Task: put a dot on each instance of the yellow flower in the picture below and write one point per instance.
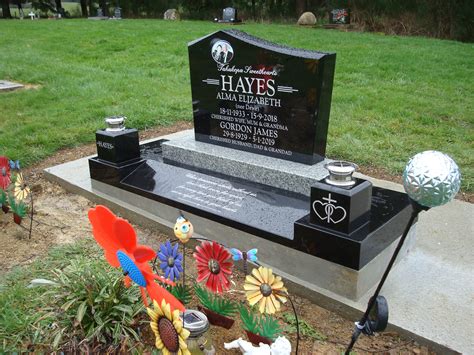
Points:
(168, 328)
(266, 289)
(21, 189)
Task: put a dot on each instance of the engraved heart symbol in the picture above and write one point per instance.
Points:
(329, 212)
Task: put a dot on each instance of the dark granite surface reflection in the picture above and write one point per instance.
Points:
(254, 208)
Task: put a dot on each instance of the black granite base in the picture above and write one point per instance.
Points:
(110, 173)
(390, 212)
(271, 213)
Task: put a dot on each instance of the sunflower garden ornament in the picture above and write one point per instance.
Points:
(265, 289)
(21, 190)
(168, 328)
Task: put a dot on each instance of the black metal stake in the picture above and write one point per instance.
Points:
(417, 208)
(297, 323)
(184, 265)
(31, 215)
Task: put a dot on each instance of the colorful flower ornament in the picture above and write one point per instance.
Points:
(214, 265)
(183, 229)
(21, 190)
(168, 328)
(4, 173)
(170, 260)
(119, 241)
(265, 289)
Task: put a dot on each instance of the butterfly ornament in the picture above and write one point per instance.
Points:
(245, 256)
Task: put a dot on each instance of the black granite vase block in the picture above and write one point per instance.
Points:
(341, 209)
(390, 211)
(117, 147)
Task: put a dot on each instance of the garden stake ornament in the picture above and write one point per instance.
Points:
(244, 256)
(170, 335)
(170, 260)
(214, 265)
(183, 230)
(430, 179)
(268, 290)
(19, 189)
(119, 241)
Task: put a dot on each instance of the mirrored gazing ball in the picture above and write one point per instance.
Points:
(431, 178)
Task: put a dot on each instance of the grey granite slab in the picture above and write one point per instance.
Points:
(183, 150)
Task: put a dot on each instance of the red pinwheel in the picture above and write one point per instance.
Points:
(119, 241)
(4, 173)
(214, 265)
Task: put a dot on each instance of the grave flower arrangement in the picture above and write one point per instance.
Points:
(214, 263)
(14, 192)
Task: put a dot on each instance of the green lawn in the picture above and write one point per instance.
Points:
(393, 96)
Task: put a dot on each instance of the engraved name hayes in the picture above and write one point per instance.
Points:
(240, 89)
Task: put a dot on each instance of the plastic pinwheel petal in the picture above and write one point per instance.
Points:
(125, 233)
(143, 253)
(118, 239)
(102, 220)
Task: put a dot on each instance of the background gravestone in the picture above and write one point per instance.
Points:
(257, 96)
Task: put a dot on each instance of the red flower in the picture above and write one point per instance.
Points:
(214, 264)
(4, 173)
(119, 241)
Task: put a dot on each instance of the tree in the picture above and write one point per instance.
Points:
(6, 9)
(104, 7)
(58, 6)
(84, 8)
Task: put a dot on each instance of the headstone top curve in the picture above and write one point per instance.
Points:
(263, 43)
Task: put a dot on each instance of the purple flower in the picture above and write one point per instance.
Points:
(170, 260)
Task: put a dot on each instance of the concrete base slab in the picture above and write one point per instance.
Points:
(429, 292)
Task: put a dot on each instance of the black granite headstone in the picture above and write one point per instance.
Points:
(261, 97)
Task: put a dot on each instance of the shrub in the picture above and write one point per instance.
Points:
(92, 304)
(89, 310)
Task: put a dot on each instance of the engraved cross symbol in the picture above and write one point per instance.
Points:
(328, 199)
(328, 210)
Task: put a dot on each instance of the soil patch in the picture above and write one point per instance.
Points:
(61, 217)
